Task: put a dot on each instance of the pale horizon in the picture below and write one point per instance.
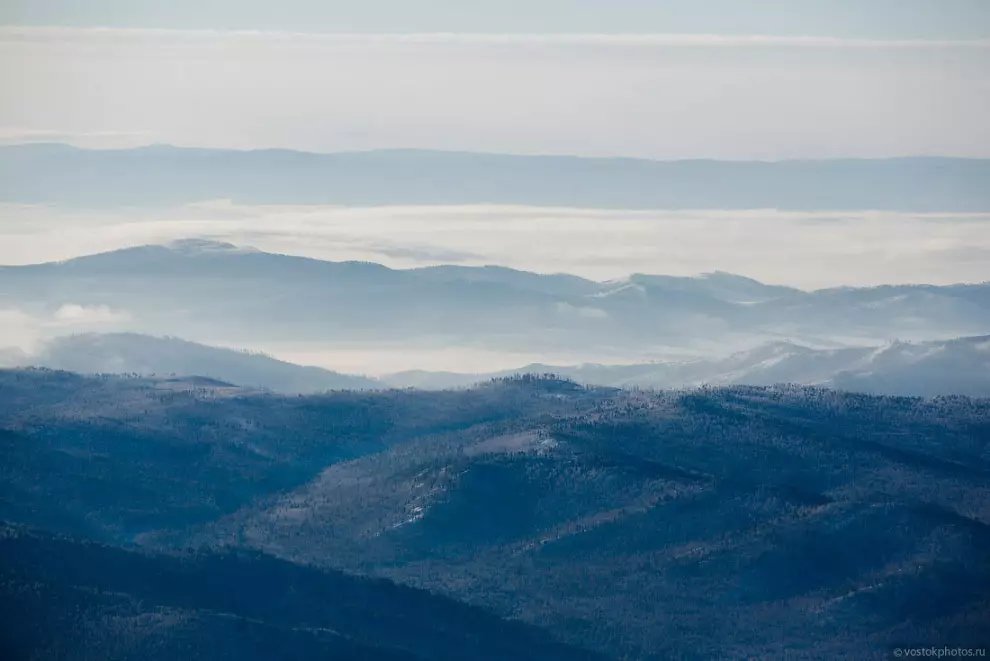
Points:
(739, 97)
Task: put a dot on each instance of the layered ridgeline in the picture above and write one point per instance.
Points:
(920, 369)
(736, 522)
(163, 175)
(216, 292)
(927, 369)
(131, 353)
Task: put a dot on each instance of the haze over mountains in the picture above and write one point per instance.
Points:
(195, 514)
(218, 293)
(164, 175)
(924, 369)
(127, 353)
(505, 330)
(927, 369)
(666, 494)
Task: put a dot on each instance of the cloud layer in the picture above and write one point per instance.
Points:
(26, 330)
(809, 250)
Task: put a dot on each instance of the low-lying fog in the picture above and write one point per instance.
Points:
(807, 250)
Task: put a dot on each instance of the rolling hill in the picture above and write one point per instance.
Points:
(69, 599)
(768, 522)
(141, 354)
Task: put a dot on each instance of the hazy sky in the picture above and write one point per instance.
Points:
(949, 19)
(678, 79)
(651, 96)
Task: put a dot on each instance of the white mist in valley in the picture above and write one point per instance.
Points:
(798, 249)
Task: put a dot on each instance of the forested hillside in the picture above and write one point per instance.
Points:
(114, 457)
(71, 600)
(742, 521)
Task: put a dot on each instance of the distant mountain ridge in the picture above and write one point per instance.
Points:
(165, 175)
(920, 369)
(953, 367)
(204, 290)
(141, 354)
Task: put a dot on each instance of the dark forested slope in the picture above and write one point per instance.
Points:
(114, 457)
(680, 525)
(742, 522)
(70, 600)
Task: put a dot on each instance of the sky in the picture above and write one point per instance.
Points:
(766, 80)
(882, 19)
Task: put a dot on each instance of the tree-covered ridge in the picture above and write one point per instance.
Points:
(115, 457)
(74, 600)
(736, 521)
